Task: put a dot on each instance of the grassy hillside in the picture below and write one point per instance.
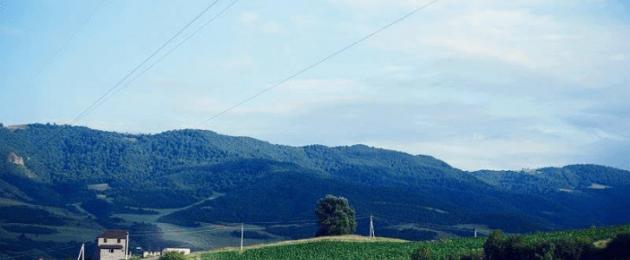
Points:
(364, 248)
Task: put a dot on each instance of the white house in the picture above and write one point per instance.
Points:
(112, 244)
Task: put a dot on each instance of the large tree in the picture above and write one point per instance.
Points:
(335, 216)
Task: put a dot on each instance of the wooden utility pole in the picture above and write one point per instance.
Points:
(82, 252)
(242, 231)
(127, 247)
(371, 227)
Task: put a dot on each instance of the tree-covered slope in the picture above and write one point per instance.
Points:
(595, 192)
(192, 178)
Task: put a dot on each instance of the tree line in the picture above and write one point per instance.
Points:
(499, 246)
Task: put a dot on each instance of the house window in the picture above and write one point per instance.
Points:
(118, 241)
(104, 240)
(111, 251)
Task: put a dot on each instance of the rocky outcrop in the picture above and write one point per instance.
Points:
(15, 159)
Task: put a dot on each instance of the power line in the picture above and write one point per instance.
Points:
(178, 45)
(289, 222)
(45, 250)
(185, 231)
(320, 61)
(424, 224)
(228, 226)
(100, 100)
(234, 227)
(107, 93)
(180, 231)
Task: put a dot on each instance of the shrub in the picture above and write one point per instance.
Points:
(497, 246)
(493, 248)
(619, 247)
(515, 248)
(421, 254)
(473, 256)
(573, 248)
(172, 256)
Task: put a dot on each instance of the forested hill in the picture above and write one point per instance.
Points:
(64, 175)
(82, 154)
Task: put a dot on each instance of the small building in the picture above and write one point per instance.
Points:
(113, 244)
(146, 254)
(184, 251)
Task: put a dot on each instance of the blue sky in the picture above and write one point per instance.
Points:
(479, 84)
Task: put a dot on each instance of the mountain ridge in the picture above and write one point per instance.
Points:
(225, 136)
(156, 181)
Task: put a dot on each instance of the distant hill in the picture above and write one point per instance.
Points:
(596, 192)
(76, 181)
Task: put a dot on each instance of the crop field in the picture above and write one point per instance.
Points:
(384, 249)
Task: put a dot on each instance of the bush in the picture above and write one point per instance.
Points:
(421, 254)
(619, 247)
(172, 256)
(573, 248)
(473, 256)
(493, 248)
(515, 248)
(497, 246)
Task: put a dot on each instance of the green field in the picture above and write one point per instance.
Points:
(352, 247)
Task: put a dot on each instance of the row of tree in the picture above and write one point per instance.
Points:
(499, 247)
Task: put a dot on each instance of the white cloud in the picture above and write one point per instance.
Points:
(253, 20)
(298, 96)
(476, 154)
(378, 5)
(618, 57)
(532, 34)
(290, 99)
(240, 63)
(303, 22)
(271, 27)
(249, 18)
(481, 49)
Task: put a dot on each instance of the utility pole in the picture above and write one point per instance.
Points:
(371, 227)
(82, 252)
(475, 232)
(127, 246)
(242, 231)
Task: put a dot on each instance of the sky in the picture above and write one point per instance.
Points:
(479, 84)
